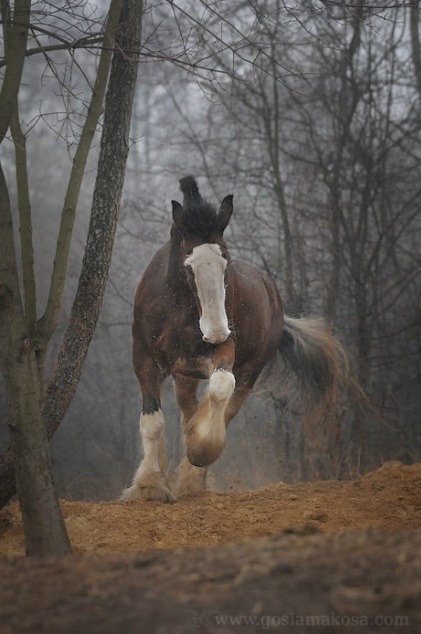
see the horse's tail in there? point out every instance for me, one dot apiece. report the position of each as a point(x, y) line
point(320, 364)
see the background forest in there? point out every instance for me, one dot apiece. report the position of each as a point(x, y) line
point(310, 114)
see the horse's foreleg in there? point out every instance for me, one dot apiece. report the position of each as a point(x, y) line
point(236, 401)
point(150, 480)
point(185, 391)
point(205, 434)
point(189, 479)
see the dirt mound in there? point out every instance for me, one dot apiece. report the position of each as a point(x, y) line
point(388, 499)
point(330, 556)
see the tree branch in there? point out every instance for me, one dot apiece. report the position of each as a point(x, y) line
point(15, 47)
point(47, 323)
point(104, 217)
point(24, 204)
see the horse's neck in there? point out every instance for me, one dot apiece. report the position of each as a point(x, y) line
point(175, 279)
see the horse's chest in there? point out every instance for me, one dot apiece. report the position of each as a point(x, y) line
point(179, 348)
point(178, 337)
point(184, 353)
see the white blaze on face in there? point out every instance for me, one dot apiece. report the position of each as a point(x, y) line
point(208, 266)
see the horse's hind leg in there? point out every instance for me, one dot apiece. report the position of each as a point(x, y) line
point(150, 480)
point(189, 479)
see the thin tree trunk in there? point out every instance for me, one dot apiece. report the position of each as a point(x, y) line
point(15, 36)
point(415, 45)
point(349, 97)
point(104, 217)
point(25, 221)
point(48, 322)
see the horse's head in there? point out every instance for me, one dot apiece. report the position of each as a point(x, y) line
point(204, 256)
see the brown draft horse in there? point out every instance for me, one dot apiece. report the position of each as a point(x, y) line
point(198, 315)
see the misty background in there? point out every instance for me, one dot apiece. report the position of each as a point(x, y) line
point(310, 114)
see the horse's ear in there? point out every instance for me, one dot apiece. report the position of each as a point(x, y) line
point(225, 212)
point(177, 214)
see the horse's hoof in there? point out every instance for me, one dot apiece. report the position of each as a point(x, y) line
point(152, 489)
point(185, 489)
point(188, 479)
point(149, 493)
point(153, 493)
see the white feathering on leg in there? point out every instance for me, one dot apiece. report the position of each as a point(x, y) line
point(149, 480)
point(151, 426)
point(221, 385)
point(206, 432)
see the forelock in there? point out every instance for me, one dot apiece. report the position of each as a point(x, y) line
point(200, 219)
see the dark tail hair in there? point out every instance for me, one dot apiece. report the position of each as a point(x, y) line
point(321, 365)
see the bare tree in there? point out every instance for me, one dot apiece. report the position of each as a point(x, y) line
point(26, 340)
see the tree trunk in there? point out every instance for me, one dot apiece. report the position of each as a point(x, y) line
point(45, 531)
point(105, 211)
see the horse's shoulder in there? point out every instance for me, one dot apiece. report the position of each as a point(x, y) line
point(157, 266)
point(162, 255)
point(241, 266)
point(248, 271)
point(249, 281)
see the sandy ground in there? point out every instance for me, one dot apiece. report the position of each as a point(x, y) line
point(325, 550)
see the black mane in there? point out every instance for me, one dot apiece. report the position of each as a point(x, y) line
point(200, 217)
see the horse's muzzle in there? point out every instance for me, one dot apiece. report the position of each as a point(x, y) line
point(217, 336)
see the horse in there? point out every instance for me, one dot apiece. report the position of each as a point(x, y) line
point(201, 315)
